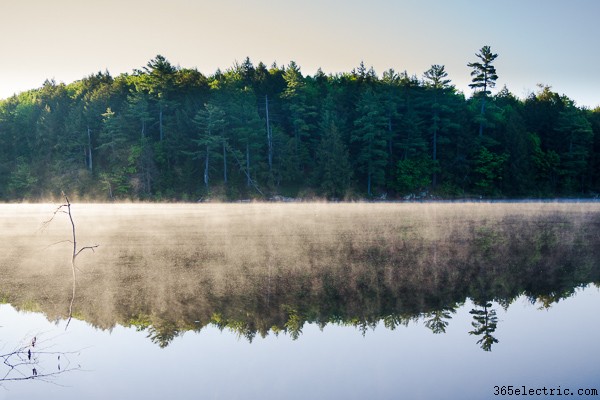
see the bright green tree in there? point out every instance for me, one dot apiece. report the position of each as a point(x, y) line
point(489, 168)
point(114, 155)
point(413, 174)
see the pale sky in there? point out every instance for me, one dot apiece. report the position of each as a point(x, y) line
point(553, 42)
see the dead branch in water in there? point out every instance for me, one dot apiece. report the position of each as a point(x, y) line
point(61, 209)
point(30, 362)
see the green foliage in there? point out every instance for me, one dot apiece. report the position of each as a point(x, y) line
point(414, 174)
point(22, 181)
point(211, 123)
point(484, 73)
point(333, 172)
point(484, 77)
point(546, 163)
point(489, 170)
point(163, 132)
point(369, 134)
point(576, 132)
point(294, 323)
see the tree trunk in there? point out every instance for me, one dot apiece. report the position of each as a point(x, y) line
point(369, 170)
point(435, 129)
point(160, 122)
point(224, 162)
point(269, 135)
point(206, 169)
point(483, 105)
point(390, 141)
point(90, 163)
point(482, 115)
point(248, 181)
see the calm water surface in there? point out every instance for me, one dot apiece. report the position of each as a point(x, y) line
point(301, 301)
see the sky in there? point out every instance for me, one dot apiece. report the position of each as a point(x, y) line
point(549, 42)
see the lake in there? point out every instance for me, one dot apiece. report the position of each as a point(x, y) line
point(300, 300)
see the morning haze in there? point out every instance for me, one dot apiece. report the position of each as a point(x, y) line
point(324, 200)
point(292, 281)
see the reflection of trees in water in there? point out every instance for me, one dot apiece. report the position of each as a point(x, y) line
point(163, 334)
point(384, 275)
point(438, 320)
point(294, 323)
point(484, 324)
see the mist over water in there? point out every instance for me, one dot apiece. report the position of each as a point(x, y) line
point(272, 273)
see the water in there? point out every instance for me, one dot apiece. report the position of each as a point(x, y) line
point(302, 301)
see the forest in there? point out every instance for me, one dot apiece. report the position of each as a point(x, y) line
point(168, 133)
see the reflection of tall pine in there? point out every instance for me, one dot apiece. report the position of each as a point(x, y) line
point(485, 322)
point(370, 135)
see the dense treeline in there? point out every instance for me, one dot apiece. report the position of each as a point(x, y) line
point(171, 133)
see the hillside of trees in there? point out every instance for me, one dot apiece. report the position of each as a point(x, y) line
point(167, 133)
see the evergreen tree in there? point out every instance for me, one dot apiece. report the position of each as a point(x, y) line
point(436, 82)
point(300, 114)
point(248, 131)
point(160, 82)
point(369, 134)
point(489, 170)
point(594, 167)
point(211, 123)
point(390, 93)
point(132, 135)
point(577, 135)
point(484, 77)
point(333, 172)
point(114, 151)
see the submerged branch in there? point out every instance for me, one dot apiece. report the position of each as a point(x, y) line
point(61, 208)
point(25, 363)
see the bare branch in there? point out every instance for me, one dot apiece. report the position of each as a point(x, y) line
point(54, 244)
point(26, 362)
point(75, 253)
point(45, 224)
point(87, 247)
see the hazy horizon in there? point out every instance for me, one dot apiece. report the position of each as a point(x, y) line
point(68, 40)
